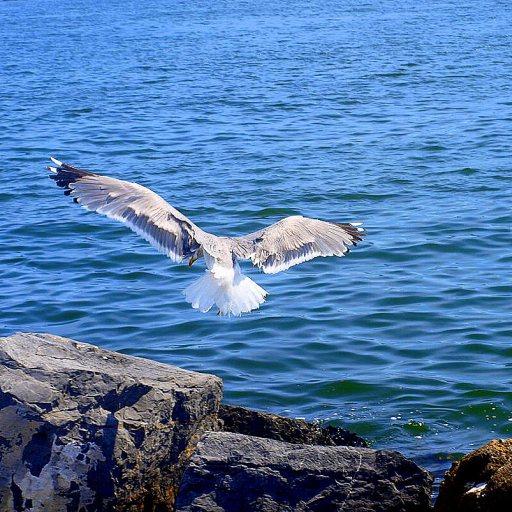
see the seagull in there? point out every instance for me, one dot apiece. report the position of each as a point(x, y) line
point(288, 242)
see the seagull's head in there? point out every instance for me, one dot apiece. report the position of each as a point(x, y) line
point(198, 254)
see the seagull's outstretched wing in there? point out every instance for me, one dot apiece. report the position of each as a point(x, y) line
point(296, 239)
point(136, 206)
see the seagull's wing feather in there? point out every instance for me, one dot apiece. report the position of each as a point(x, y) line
point(296, 239)
point(136, 206)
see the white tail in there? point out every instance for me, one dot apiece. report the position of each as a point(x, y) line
point(232, 292)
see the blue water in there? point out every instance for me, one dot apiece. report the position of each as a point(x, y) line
point(398, 114)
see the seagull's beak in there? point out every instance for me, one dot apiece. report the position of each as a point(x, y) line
point(192, 260)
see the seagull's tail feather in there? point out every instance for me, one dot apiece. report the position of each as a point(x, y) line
point(232, 295)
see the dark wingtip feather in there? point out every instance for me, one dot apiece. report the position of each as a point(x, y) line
point(65, 174)
point(357, 234)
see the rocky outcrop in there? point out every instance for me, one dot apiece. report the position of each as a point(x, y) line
point(480, 482)
point(254, 423)
point(87, 429)
point(233, 472)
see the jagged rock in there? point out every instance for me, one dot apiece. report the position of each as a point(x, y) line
point(255, 423)
point(85, 429)
point(480, 482)
point(233, 472)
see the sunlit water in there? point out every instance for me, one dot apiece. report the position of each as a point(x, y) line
point(398, 114)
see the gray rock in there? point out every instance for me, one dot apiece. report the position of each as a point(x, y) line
point(233, 472)
point(261, 424)
point(85, 429)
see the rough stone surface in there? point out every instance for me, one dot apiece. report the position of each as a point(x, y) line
point(233, 472)
point(85, 429)
point(480, 482)
point(254, 423)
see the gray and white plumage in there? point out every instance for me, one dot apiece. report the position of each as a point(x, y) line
point(290, 241)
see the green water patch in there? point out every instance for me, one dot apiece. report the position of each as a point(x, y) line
point(416, 427)
point(346, 388)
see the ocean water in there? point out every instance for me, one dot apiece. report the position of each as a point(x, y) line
point(397, 114)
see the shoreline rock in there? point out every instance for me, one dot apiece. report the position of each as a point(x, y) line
point(481, 481)
point(234, 472)
point(84, 429)
point(87, 429)
point(240, 420)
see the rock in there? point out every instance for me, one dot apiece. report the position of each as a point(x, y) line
point(481, 481)
point(85, 429)
point(254, 423)
point(233, 472)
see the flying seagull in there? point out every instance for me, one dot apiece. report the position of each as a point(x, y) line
point(275, 248)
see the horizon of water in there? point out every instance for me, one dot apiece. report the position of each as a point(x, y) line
point(397, 114)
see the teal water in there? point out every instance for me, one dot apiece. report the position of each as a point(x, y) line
point(398, 114)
